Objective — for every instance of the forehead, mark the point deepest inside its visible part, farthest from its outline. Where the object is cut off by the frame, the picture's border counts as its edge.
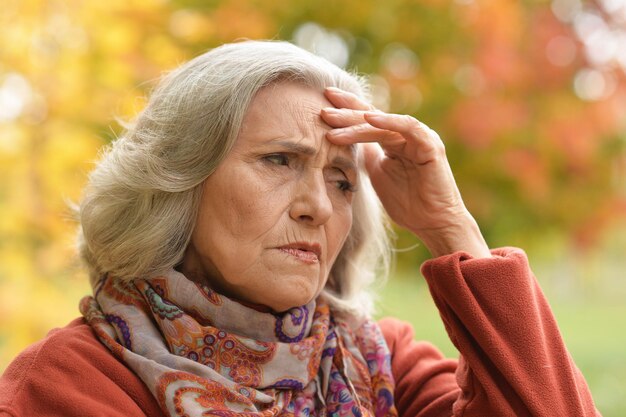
(286, 111)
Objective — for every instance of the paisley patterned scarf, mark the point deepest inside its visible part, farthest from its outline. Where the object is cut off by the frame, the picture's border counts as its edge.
(201, 353)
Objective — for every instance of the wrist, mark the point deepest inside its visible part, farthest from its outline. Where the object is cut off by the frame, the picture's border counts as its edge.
(464, 235)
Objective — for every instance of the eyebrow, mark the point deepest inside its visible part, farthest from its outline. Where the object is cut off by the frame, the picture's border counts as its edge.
(341, 161)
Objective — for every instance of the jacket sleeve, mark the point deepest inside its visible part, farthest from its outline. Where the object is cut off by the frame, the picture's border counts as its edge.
(513, 360)
(70, 374)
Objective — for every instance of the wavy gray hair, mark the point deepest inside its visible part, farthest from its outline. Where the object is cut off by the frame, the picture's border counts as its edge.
(140, 204)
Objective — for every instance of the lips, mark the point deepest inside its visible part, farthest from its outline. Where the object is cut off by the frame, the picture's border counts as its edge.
(303, 251)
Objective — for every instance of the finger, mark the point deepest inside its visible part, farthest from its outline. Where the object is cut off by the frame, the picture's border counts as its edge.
(409, 127)
(403, 124)
(364, 132)
(342, 117)
(344, 99)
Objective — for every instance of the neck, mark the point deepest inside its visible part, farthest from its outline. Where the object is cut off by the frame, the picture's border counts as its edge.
(194, 275)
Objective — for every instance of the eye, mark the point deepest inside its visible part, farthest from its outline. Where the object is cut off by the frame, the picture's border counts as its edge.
(346, 186)
(277, 159)
(341, 181)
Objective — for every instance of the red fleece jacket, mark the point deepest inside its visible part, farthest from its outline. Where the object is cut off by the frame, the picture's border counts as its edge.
(513, 361)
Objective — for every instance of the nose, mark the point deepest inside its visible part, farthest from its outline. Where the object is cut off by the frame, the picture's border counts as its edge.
(311, 203)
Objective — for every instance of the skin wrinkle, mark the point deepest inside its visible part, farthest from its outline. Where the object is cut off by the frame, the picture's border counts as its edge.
(254, 204)
(307, 117)
(346, 164)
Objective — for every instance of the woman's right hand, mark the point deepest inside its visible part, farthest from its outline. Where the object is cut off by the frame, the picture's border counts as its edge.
(409, 171)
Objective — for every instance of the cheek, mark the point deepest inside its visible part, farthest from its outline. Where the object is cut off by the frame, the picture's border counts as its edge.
(246, 207)
(338, 232)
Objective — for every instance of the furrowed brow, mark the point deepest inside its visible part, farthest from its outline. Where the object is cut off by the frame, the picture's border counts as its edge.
(346, 164)
(340, 161)
(296, 147)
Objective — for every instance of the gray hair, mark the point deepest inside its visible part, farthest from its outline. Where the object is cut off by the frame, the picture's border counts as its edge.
(139, 207)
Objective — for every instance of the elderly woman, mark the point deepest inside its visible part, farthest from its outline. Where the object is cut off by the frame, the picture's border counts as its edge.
(232, 234)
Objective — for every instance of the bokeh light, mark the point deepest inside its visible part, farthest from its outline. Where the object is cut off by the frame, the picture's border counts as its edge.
(323, 42)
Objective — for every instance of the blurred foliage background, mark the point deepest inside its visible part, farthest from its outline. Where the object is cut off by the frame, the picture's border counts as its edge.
(529, 96)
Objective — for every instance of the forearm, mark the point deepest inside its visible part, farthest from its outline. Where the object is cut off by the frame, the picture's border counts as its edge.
(514, 361)
(462, 236)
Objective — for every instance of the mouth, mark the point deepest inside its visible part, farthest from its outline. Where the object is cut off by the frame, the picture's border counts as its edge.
(303, 251)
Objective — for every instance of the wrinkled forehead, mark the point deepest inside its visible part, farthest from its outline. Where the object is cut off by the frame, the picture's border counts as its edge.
(307, 115)
(293, 110)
